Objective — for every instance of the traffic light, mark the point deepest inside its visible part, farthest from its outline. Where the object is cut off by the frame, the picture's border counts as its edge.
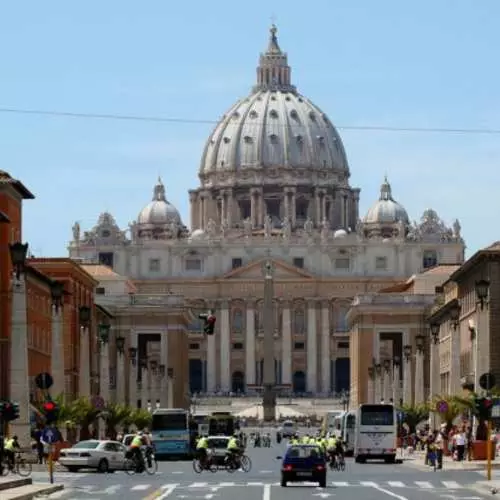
(483, 407)
(209, 320)
(51, 411)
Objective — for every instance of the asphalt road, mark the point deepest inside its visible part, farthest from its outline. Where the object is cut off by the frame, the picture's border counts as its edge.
(177, 481)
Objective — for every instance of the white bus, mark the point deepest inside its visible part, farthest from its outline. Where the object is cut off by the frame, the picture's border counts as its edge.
(376, 433)
(331, 422)
(347, 431)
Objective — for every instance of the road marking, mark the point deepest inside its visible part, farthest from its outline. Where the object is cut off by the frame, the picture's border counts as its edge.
(198, 485)
(390, 493)
(368, 483)
(168, 491)
(265, 472)
(424, 485)
(255, 484)
(177, 472)
(266, 495)
(452, 485)
(396, 484)
(140, 487)
(340, 483)
(227, 484)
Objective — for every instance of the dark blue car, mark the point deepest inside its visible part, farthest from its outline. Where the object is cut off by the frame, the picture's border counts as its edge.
(303, 462)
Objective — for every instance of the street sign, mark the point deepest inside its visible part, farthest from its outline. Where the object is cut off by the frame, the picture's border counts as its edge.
(442, 406)
(50, 436)
(487, 381)
(98, 402)
(44, 381)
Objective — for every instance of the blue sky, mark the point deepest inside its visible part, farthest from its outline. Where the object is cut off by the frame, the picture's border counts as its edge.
(431, 63)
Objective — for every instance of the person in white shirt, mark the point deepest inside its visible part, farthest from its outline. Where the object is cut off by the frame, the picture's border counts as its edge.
(460, 442)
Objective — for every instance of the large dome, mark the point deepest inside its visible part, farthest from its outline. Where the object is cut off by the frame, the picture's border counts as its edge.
(274, 126)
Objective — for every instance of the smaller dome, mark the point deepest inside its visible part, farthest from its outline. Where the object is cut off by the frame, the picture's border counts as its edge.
(340, 233)
(159, 211)
(386, 210)
(197, 234)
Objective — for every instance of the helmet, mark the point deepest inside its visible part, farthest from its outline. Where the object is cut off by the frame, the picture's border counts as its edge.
(140, 433)
(14, 438)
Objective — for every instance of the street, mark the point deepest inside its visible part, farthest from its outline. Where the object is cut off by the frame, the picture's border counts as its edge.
(177, 481)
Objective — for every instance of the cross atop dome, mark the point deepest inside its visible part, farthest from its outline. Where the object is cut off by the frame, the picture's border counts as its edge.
(159, 191)
(385, 190)
(273, 72)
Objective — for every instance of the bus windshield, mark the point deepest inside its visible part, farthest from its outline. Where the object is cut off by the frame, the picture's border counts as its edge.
(169, 422)
(377, 415)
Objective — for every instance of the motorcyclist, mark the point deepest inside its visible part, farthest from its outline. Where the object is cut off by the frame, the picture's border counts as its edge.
(202, 450)
(135, 449)
(10, 447)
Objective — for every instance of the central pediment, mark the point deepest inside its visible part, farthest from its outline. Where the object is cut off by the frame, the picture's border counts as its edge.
(255, 270)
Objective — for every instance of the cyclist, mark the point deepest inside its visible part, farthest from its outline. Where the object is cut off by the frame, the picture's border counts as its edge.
(135, 450)
(331, 448)
(146, 441)
(233, 450)
(201, 450)
(10, 447)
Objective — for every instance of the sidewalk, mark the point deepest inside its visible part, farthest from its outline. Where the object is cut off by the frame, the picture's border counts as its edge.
(417, 460)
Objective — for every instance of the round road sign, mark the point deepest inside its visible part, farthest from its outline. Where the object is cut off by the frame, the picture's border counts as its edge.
(442, 406)
(98, 402)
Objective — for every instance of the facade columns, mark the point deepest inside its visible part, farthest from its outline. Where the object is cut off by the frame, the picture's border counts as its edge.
(435, 378)
(132, 374)
(286, 345)
(378, 383)
(229, 208)
(104, 370)
(396, 381)
(120, 376)
(250, 344)
(407, 376)
(144, 384)
(419, 376)
(370, 397)
(225, 348)
(19, 375)
(455, 376)
(57, 351)
(163, 395)
(201, 211)
(211, 364)
(312, 348)
(84, 376)
(192, 212)
(388, 388)
(325, 347)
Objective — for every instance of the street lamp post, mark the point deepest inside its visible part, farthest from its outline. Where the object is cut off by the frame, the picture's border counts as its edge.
(481, 355)
(57, 344)
(435, 379)
(269, 394)
(407, 379)
(19, 371)
(85, 316)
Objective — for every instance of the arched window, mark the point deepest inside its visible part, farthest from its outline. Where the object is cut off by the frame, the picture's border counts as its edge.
(237, 321)
(299, 321)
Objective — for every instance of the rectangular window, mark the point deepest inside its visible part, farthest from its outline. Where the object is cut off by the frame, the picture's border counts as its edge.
(377, 415)
(381, 263)
(194, 347)
(299, 346)
(342, 345)
(298, 262)
(342, 264)
(237, 262)
(100, 290)
(238, 346)
(154, 265)
(106, 258)
(169, 422)
(193, 265)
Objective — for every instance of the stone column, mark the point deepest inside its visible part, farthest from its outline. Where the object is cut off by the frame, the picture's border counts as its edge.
(317, 207)
(325, 347)
(269, 395)
(419, 376)
(286, 345)
(144, 385)
(225, 348)
(132, 380)
(387, 382)
(435, 378)
(407, 379)
(163, 362)
(223, 207)
(312, 348)
(104, 370)
(211, 364)
(57, 354)
(84, 372)
(120, 376)
(230, 203)
(262, 208)
(378, 383)
(286, 203)
(19, 375)
(192, 210)
(201, 211)
(293, 209)
(254, 208)
(370, 397)
(250, 344)
(396, 382)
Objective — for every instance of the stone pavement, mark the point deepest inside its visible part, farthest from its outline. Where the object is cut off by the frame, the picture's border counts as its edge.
(417, 459)
(14, 488)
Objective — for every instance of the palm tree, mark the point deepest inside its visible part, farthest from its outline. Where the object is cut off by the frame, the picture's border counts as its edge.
(84, 414)
(140, 417)
(115, 414)
(413, 415)
(456, 405)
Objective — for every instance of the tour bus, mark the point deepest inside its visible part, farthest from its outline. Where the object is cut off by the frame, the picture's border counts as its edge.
(171, 433)
(222, 423)
(376, 433)
(202, 423)
(347, 431)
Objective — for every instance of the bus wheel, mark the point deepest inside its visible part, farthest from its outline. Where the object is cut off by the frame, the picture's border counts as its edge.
(360, 460)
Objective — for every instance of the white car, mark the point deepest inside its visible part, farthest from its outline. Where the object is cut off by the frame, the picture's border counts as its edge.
(105, 456)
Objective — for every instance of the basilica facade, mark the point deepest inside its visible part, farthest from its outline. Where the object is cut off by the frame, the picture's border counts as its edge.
(274, 186)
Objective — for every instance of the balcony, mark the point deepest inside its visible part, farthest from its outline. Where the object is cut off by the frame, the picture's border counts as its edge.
(145, 301)
(393, 300)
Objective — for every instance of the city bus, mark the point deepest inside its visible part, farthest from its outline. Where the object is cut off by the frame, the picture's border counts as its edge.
(376, 433)
(170, 431)
(222, 424)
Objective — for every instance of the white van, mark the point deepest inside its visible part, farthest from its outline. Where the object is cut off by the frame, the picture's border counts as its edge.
(288, 429)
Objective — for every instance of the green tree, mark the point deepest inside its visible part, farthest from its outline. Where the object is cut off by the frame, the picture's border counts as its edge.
(84, 414)
(140, 418)
(456, 405)
(413, 415)
(115, 414)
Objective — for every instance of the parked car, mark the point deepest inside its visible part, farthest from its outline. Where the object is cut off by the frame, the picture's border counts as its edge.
(303, 463)
(105, 456)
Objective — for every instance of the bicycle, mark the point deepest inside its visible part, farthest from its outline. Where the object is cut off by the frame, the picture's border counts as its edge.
(149, 465)
(340, 463)
(22, 467)
(242, 462)
(209, 464)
